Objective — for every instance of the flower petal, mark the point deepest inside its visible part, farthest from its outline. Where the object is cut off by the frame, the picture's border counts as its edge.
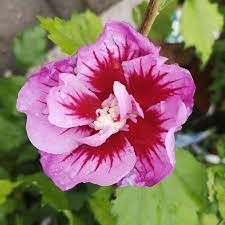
(104, 165)
(119, 42)
(153, 142)
(151, 81)
(172, 112)
(71, 104)
(98, 138)
(32, 96)
(49, 138)
(183, 85)
(123, 98)
(149, 170)
(136, 107)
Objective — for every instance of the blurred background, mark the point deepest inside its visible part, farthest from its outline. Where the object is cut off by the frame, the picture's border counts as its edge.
(17, 15)
(190, 33)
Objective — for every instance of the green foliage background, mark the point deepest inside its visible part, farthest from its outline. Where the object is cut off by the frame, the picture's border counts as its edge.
(195, 192)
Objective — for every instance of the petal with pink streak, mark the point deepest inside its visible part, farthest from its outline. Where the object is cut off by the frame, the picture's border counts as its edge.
(49, 138)
(153, 142)
(32, 96)
(173, 112)
(151, 81)
(149, 170)
(136, 108)
(180, 80)
(119, 42)
(123, 98)
(104, 165)
(122, 30)
(98, 138)
(71, 104)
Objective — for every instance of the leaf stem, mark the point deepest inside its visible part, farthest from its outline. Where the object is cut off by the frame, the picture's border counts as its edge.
(150, 16)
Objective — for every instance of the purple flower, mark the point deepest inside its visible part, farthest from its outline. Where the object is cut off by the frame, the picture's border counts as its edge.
(109, 113)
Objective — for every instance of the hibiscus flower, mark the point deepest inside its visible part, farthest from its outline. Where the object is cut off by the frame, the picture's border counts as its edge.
(108, 114)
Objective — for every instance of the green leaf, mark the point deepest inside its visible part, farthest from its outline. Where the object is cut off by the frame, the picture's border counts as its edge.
(210, 185)
(51, 195)
(11, 122)
(72, 34)
(220, 147)
(216, 187)
(209, 219)
(218, 79)
(192, 175)
(101, 206)
(138, 12)
(29, 47)
(27, 154)
(9, 206)
(12, 134)
(175, 201)
(162, 26)
(200, 20)
(77, 199)
(6, 187)
(165, 3)
(72, 218)
(220, 190)
(3, 173)
(9, 88)
(163, 23)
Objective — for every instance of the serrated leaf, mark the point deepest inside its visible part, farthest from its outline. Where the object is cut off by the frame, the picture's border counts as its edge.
(200, 21)
(51, 195)
(81, 29)
(101, 206)
(175, 201)
(163, 23)
(6, 187)
(29, 47)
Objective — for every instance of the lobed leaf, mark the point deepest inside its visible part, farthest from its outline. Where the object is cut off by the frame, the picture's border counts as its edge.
(177, 200)
(70, 35)
(201, 20)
